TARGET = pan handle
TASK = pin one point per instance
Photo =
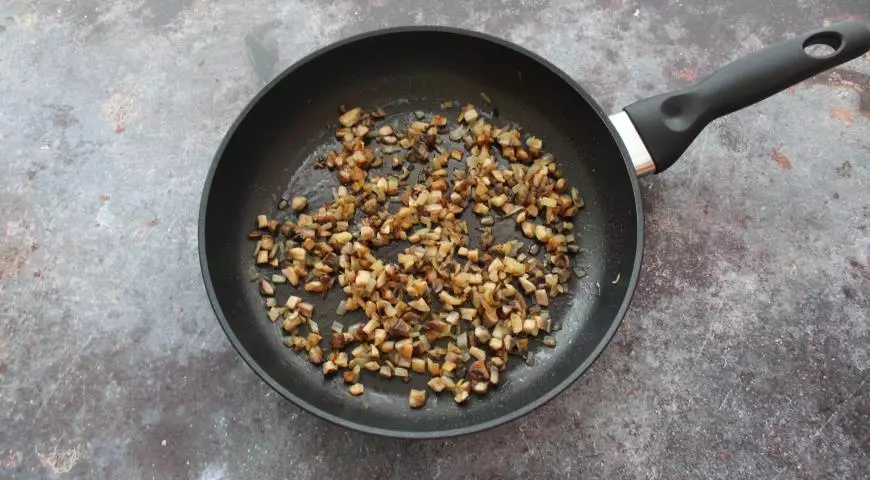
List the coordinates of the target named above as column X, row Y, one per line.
column 668, row 123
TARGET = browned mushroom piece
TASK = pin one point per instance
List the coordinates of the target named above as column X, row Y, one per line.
column 417, row 398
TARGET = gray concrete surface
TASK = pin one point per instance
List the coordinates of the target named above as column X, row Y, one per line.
column 744, row 355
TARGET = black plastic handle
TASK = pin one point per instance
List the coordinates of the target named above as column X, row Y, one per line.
column 668, row 123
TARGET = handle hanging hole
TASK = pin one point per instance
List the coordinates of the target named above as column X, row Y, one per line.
column 823, row 45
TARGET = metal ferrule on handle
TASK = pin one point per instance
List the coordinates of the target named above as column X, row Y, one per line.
column 637, row 152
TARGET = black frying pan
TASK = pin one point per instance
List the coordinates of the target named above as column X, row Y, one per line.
column 268, row 153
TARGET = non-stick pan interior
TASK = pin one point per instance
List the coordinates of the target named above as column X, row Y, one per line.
column 269, row 153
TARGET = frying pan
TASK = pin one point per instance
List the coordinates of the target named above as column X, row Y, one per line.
column 269, row 150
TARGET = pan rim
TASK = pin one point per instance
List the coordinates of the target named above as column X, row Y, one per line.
column 402, row 433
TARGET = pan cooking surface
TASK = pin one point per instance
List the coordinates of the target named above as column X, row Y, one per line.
column 270, row 153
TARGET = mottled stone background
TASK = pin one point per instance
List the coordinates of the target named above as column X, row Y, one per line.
column 745, row 353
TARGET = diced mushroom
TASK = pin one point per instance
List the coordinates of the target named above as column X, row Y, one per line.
column 470, row 115
column 528, row 286
column 356, row 389
column 419, row 305
column 315, row 286
column 437, row 384
column 305, row 309
column 513, row 267
column 477, row 353
column 541, row 298
column 329, row 367
column 350, row 117
column 372, row 366
column 418, row 365
column 417, row 398
column 298, row 203
column 293, row 302
column 315, row 355
column 262, row 257
column 528, row 229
